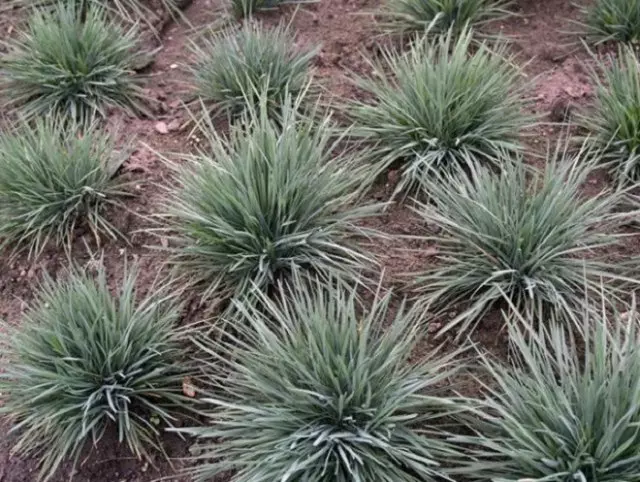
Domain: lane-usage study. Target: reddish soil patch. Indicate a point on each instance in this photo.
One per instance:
(555, 68)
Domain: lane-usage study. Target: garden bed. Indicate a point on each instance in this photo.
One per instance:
(555, 66)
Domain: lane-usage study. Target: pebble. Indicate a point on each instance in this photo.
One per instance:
(162, 128)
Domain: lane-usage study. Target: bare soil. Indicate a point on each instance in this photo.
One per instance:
(555, 65)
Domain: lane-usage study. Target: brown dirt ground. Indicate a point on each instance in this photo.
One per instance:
(555, 68)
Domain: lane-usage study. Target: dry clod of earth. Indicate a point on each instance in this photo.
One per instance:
(561, 110)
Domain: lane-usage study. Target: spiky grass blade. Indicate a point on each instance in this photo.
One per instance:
(613, 122)
(439, 107)
(54, 178)
(235, 67)
(569, 410)
(440, 16)
(606, 20)
(68, 65)
(319, 390)
(536, 243)
(270, 198)
(84, 361)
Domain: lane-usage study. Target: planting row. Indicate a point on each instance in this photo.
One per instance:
(284, 189)
(312, 385)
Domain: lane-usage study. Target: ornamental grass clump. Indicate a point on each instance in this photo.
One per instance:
(71, 64)
(613, 122)
(439, 108)
(234, 68)
(322, 389)
(569, 410)
(131, 11)
(54, 178)
(84, 361)
(272, 197)
(607, 20)
(522, 237)
(440, 16)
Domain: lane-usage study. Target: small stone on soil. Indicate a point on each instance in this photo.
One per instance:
(162, 127)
